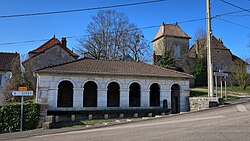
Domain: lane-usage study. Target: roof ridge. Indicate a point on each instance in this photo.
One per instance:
(170, 70)
(9, 53)
(41, 46)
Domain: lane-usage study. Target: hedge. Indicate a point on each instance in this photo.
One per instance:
(10, 117)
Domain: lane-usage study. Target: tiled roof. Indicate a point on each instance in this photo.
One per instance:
(104, 67)
(215, 43)
(6, 60)
(53, 41)
(172, 30)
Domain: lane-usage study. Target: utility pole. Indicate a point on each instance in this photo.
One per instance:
(209, 53)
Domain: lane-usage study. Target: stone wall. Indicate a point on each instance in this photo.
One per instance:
(3, 81)
(171, 42)
(200, 103)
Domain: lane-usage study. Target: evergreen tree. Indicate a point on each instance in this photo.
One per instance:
(200, 72)
(167, 61)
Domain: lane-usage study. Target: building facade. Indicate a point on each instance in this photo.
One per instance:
(52, 52)
(88, 84)
(172, 37)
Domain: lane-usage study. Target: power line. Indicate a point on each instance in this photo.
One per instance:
(33, 41)
(235, 6)
(228, 13)
(148, 27)
(233, 23)
(242, 15)
(82, 9)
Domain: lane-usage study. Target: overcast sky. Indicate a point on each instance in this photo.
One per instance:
(234, 29)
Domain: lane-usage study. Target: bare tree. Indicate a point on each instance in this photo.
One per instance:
(239, 72)
(112, 36)
(12, 83)
(20, 77)
(199, 40)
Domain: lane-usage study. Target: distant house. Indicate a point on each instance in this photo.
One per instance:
(96, 85)
(52, 52)
(222, 57)
(6, 63)
(172, 37)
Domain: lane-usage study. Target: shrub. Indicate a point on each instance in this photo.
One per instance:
(10, 115)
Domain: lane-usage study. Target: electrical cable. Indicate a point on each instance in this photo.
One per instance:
(79, 10)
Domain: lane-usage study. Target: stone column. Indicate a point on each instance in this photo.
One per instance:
(102, 98)
(78, 98)
(184, 102)
(165, 94)
(124, 98)
(52, 97)
(145, 98)
(42, 95)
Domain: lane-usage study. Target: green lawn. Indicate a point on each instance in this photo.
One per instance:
(204, 94)
(233, 89)
(238, 89)
(198, 94)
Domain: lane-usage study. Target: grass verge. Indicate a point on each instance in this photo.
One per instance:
(205, 94)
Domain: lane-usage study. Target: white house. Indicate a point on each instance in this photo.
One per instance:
(88, 84)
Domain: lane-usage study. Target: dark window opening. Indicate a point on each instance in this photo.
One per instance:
(65, 94)
(154, 95)
(134, 95)
(90, 94)
(113, 95)
(175, 99)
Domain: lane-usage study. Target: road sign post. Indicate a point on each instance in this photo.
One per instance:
(222, 77)
(22, 94)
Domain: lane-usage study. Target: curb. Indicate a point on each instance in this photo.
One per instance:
(63, 130)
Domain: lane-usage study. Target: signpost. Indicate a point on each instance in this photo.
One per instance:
(222, 77)
(22, 94)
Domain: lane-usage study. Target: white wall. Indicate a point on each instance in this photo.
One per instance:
(3, 81)
(48, 87)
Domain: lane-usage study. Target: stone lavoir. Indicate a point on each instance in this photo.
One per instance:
(89, 85)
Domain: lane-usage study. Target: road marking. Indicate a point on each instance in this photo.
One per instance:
(132, 126)
(241, 108)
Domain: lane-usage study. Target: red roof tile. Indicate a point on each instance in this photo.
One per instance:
(53, 41)
(172, 30)
(104, 67)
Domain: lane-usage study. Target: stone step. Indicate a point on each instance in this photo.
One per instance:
(47, 125)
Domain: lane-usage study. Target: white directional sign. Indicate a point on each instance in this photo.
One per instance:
(220, 74)
(22, 93)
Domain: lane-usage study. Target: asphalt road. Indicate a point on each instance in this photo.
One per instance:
(230, 123)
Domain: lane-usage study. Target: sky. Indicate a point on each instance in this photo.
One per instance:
(234, 29)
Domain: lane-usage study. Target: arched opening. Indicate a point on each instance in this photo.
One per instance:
(134, 95)
(113, 95)
(65, 94)
(154, 95)
(175, 99)
(90, 94)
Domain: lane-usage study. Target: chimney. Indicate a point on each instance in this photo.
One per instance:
(64, 42)
(220, 40)
(163, 28)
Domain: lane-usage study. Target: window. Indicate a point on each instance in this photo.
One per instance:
(223, 64)
(215, 66)
(177, 51)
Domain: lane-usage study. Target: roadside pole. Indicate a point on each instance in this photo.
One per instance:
(22, 91)
(209, 52)
(21, 120)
